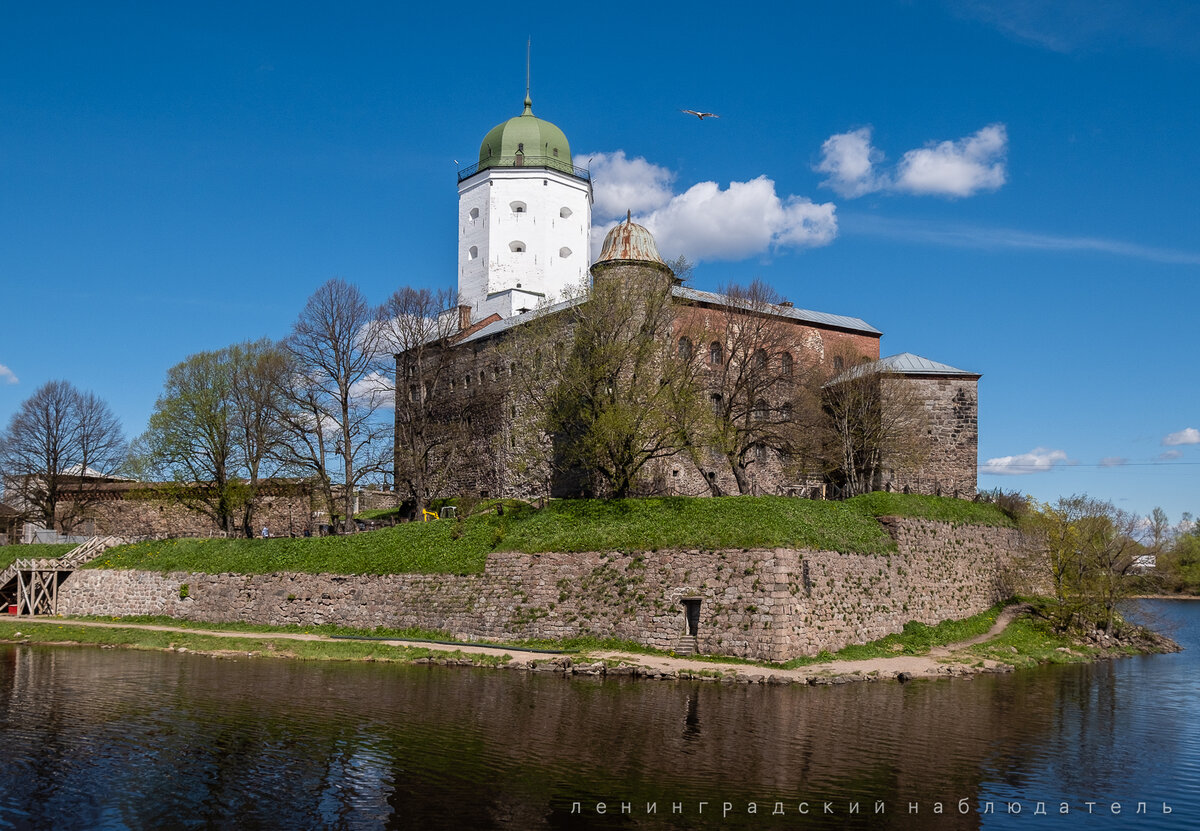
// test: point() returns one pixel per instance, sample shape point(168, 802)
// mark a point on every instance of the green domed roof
point(525, 141)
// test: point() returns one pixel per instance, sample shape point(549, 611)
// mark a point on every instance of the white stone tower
point(524, 219)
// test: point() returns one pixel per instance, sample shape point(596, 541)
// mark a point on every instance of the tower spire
point(528, 100)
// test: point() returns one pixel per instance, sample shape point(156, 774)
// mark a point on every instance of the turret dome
point(526, 141)
point(629, 241)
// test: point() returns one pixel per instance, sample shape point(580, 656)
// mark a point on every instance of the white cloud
point(1169, 455)
point(7, 376)
point(1189, 435)
point(850, 161)
point(971, 236)
point(704, 222)
point(620, 184)
point(956, 168)
point(376, 388)
point(1113, 461)
point(1038, 460)
point(948, 168)
point(747, 218)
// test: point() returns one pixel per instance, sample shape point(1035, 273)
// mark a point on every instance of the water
point(96, 738)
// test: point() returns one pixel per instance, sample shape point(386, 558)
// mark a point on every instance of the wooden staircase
point(32, 584)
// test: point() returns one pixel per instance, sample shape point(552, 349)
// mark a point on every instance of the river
point(101, 738)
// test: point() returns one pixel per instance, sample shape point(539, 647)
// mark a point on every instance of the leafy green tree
point(609, 385)
point(214, 434)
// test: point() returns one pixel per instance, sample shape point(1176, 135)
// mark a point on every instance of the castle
point(524, 222)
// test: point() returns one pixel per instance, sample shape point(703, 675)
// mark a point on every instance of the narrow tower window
point(474, 214)
point(472, 252)
point(518, 207)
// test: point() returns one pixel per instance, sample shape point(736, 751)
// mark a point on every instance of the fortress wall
point(758, 603)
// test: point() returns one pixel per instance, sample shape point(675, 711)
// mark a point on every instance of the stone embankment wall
point(758, 603)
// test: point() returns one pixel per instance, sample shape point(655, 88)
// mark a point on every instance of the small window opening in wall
point(518, 207)
point(474, 213)
point(675, 472)
point(472, 252)
point(516, 246)
point(691, 611)
point(512, 442)
point(556, 152)
point(564, 252)
point(565, 212)
point(482, 377)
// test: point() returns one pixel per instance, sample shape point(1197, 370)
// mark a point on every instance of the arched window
point(565, 212)
point(518, 207)
point(474, 214)
point(787, 364)
point(482, 378)
point(715, 401)
point(473, 252)
point(564, 252)
point(716, 354)
point(761, 411)
point(516, 246)
point(685, 348)
point(760, 359)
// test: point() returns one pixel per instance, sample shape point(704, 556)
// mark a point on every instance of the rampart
point(769, 604)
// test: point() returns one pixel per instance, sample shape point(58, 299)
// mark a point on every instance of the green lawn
point(33, 551)
point(461, 546)
point(939, 508)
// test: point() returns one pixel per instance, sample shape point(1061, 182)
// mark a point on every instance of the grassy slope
point(937, 508)
point(34, 551)
point(461, 547)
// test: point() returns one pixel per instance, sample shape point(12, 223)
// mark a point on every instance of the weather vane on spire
point(528, 49)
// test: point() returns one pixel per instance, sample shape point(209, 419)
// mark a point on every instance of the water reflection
point(107, 739)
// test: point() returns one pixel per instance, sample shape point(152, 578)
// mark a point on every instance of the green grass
point(33, 551)
point(461, 546)
point(939, 508)
point(1027, 642)
point(65, 632)
point(329, 630)
point(378, 513)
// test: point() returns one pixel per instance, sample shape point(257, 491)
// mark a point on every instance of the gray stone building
point(469, 385)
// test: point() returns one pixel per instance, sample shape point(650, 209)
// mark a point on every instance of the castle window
point(761, 411)
point(474, 214)
point(716, 355)
point(516, 246)
point(788, 364)
point(495, 373)
point(518, 207)
point(565, 212)
point(685, 349)
point(760, 452)
point(786, 412)
point(482, 378)
point(564, 252)
point(512, 368)
point(472, 252)
point(715, 400)
point(467, 380)
point(760, 359)
point(556, 152)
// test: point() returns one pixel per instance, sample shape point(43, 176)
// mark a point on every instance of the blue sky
point(1007, 187)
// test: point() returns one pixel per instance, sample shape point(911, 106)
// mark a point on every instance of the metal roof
point(906, 363)
point(504, 324)
point(853, 324)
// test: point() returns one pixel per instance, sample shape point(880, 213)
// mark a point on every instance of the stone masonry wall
point(952, 438)
point(764, 604)
point(135, 516)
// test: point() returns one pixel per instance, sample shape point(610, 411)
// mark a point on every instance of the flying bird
point(700, 115)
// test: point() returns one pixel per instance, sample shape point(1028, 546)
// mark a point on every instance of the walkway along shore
point(944, 661)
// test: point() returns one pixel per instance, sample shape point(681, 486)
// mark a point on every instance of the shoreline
point(954, 660)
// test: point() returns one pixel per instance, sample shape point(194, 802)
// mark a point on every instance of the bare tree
point(258, 378)
point(55, 446)
point(337, 390)
point(757, 369)
point(873, 421)
point(432, 436)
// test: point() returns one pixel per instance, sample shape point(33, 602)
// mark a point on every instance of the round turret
point(526, 141)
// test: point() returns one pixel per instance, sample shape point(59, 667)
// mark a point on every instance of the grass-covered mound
point(34, 551)
point(461, 546)
point(937, 508)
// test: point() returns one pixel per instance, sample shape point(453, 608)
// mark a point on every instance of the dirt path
point(938, 661)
